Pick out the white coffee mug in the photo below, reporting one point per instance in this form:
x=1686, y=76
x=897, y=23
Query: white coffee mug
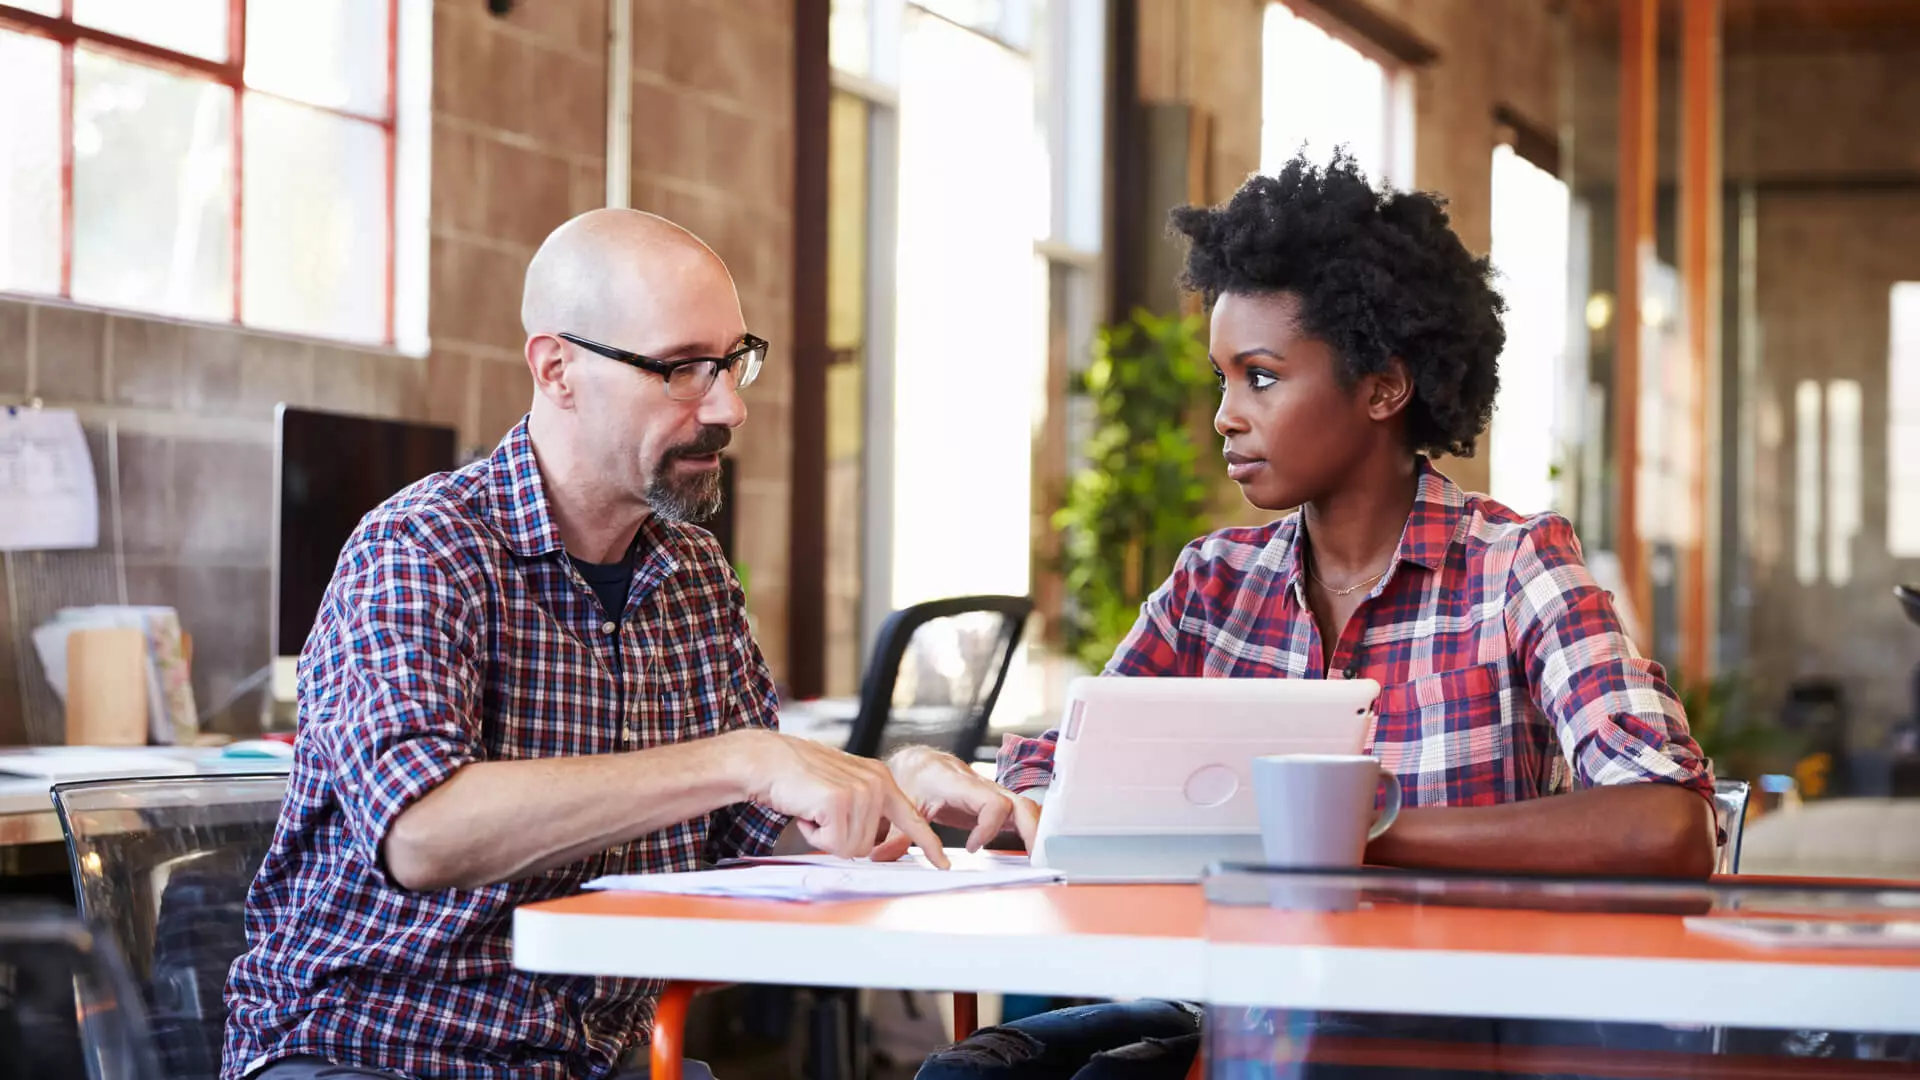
x=1316, y=810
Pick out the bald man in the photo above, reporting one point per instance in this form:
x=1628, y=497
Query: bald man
x=535, y=671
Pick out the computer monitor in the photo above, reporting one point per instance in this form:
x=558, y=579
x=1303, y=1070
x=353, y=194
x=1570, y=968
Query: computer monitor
x=330, y=469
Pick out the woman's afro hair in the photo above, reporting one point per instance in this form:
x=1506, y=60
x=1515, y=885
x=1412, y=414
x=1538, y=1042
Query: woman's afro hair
x=1379, y=274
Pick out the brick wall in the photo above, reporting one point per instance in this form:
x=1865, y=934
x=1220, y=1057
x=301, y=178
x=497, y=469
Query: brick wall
x=519, y=146
x=182, y=413
x=713, y=150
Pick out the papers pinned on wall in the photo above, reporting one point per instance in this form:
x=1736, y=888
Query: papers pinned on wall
x=48, y=498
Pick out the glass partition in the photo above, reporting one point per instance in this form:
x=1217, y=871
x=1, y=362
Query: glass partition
x=1396, y=973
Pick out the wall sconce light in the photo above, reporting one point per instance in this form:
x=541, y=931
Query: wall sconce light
x=1599, y=311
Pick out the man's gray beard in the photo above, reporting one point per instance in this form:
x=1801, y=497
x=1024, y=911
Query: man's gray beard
x=691, y=500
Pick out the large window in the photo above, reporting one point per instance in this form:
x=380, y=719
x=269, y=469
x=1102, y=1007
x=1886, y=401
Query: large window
x=213, y=159
x=970, y=351
x=965, y=228
x=1320, y=92
x=1528, y=442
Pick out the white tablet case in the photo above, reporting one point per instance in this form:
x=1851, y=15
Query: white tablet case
x=1153, y=778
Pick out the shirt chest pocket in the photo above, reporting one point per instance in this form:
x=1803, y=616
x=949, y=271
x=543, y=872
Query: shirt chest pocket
x=1443, y=735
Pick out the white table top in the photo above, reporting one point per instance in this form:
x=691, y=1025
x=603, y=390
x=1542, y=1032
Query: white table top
x=1163, y=941
x=26, y=807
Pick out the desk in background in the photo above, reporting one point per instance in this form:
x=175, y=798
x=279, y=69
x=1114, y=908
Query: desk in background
x=26, y=806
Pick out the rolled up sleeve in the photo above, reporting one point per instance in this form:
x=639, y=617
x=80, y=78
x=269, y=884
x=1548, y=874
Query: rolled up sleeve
x=1617, y=720
x=1155, y=646
x=389, y=688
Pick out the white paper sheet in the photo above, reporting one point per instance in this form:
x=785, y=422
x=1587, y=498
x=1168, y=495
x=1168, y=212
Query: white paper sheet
x=47, y=494
x=81, y=763
x=823, y=877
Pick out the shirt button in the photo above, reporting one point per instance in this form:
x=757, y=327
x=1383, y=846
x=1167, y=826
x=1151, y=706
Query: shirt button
x=630, y=733
x=608, y=628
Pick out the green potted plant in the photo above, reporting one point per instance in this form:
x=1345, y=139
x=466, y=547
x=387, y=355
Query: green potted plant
x=1721, y=719
x=1141, y=497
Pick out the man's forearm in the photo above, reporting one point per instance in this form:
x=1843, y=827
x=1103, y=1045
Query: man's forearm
x=497, y=821
x=1648, y=829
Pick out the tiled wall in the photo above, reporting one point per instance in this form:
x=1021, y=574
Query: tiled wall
x=713, y=150
x=1828, y=244
x=519, y=146
x=182, y=413
x=179, y=418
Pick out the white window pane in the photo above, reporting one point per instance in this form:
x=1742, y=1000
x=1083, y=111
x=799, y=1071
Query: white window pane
x=327, y=52
x=198, y=27
x=1083, y=85
x=850, y=36
x=30, y=164
x=152, y=189
x=950, y=389
x=1321, y=92
x=43, y=7
x=1903, y=422
x=314, y=222
x=1806, y=474
x=1903, y=492
x=1531, y=224
x=1903, y=357
x=1843, y=477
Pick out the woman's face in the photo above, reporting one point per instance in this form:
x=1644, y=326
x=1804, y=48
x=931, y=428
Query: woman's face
x=1293, y=432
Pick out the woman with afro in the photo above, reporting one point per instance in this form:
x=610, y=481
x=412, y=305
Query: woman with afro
x=1355, y=338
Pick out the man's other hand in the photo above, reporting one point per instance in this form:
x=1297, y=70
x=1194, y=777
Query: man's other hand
x=947, y=791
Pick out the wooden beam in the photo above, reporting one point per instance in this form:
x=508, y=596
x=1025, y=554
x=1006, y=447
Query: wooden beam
x=1639, y=96
x=807, y=542
x=1700, y=171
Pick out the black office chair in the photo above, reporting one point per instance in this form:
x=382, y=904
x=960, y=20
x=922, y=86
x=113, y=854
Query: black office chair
x=68, y=1009
x=162, y=866
x=936, y=671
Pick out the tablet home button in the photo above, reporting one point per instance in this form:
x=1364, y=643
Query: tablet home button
x=1212, y=785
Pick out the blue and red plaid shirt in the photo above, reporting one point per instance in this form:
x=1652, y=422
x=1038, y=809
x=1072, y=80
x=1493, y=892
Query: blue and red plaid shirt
x=456, y=630
x=1503, y=668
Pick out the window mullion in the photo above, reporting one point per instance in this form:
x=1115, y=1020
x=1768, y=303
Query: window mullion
x=66, y=166
x=237, y=56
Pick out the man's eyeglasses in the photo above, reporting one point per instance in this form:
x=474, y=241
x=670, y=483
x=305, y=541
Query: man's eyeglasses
x=690, y=379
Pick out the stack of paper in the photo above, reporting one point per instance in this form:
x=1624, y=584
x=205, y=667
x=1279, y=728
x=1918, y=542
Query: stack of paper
x=823, y=877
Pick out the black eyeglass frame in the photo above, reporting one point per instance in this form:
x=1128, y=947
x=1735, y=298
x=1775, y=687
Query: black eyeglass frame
x=749, y=344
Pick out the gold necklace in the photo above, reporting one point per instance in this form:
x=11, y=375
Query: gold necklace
x=1349, y=590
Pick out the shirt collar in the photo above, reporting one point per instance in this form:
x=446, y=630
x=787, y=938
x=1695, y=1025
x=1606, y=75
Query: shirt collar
x=1437, y=505
x=520, y=511
x=1424, y=540
x=523, y=516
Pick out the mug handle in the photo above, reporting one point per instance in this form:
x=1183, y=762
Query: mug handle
x=1388, y=812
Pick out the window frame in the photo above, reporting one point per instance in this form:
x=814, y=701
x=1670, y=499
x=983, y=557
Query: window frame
x=69, y=34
